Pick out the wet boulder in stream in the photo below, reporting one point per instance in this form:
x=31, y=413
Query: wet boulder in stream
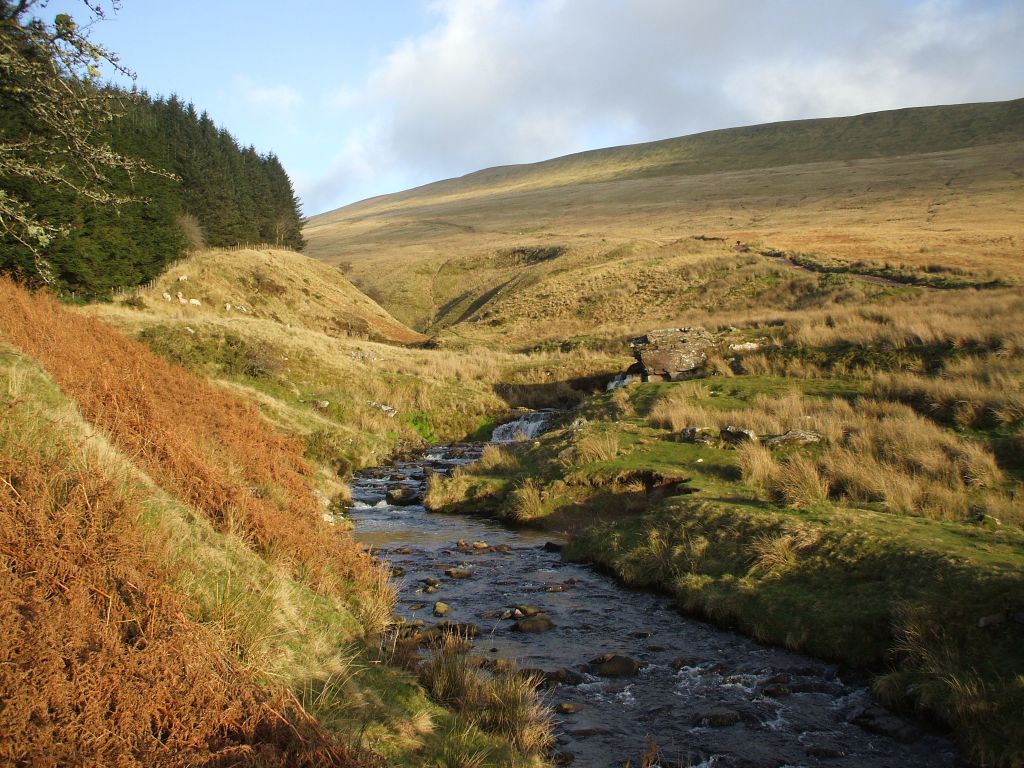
x=614, y=665
x=403, y=496
x=533, y=624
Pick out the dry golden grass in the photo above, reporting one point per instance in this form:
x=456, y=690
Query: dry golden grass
x=279, y=285
x=875, y=451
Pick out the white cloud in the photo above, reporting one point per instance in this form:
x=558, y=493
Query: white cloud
x=505, y=81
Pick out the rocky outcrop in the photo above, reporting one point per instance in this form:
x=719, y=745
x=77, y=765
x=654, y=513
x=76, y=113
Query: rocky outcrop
x=670, y=354
x=734, y=436
x=792, y=437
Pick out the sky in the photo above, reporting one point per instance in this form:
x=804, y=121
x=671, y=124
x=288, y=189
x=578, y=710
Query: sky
x=364, y=98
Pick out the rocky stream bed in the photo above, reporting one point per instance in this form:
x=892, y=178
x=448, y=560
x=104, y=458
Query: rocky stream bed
x=622, y=667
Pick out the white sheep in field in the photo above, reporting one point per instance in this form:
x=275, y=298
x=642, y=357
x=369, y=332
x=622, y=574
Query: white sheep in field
x=167, y=296
x=227, y=307
x=195, y=302
x=183, y=279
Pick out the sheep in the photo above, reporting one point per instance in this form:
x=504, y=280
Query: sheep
x=195, y=302
x=183, y=278
x=167, y=296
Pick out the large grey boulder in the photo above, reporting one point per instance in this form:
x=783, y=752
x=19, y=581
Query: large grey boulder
x=672, y=353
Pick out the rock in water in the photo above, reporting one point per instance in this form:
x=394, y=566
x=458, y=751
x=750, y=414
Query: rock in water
x=672, y=353
x=614, y=665
x=716, y=717
x=533, y=624
x=403, y=496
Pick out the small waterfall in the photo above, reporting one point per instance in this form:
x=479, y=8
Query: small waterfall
x=526, y=427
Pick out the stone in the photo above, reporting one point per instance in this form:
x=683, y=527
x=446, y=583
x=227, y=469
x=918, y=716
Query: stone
x=776, y=690
x=615, y=665
x=703, y=435
x=481, y=545
x=562, y=677
x=403, y=497
x=458, y=573
x=440, y=609
x=793, y=437
x=737, y=435
x=672, y=353
x=430, y=581
x=881, y=721
x=716, y=717
x=550, y=546
x=568, y=708
x=555, y=588
x=525, y=610
x=501, y=548
x=745, y=346
x=533, y=624
x=430, y=590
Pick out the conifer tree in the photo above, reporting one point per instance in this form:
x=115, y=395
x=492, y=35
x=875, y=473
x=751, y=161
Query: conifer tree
x=52, y=116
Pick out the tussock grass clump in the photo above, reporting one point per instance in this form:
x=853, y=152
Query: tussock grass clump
x=799, y=484
x=515, y=709
x=591, y=447
x=776, y=553
x=444, y=490
x=527, y=501
x=496, y=458
x=506, y=702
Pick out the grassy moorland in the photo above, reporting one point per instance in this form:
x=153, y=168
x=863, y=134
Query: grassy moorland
x=174, y=592
x=604, y=240
x=864, y=276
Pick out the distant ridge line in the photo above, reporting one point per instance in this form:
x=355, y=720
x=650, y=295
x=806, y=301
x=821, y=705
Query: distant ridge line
x=888, y=133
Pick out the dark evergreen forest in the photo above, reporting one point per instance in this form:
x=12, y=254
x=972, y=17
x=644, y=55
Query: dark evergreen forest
x=213, y=193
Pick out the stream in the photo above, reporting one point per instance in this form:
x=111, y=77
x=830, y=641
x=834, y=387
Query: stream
x=706, y=696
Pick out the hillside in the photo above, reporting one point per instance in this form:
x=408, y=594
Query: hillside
x=927, y=190
x=273, y=284
x=325, y=363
